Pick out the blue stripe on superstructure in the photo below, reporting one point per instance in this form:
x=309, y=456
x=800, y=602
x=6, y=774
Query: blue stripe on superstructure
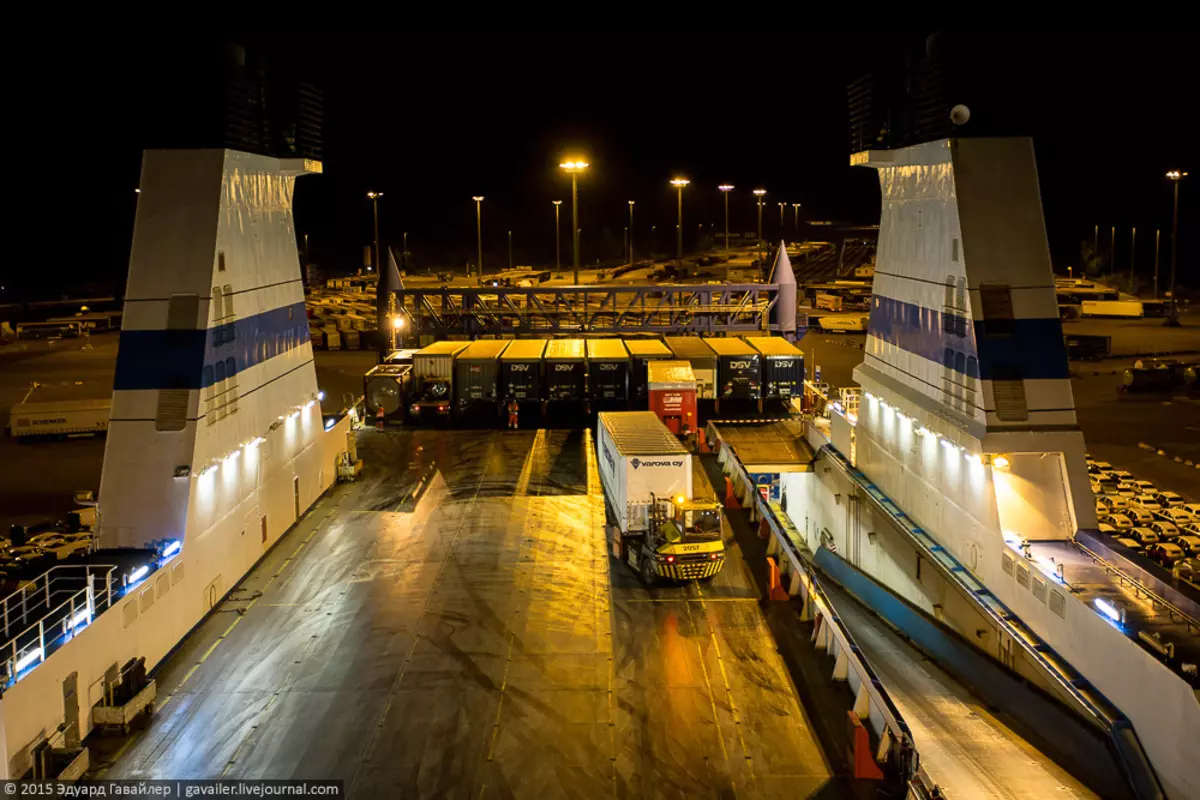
x=1033, y=350
x=197, y=359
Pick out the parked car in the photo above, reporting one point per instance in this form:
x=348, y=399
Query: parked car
x=1114, y=502
x=1118, y=521
x=1191, y=544
x=1165, y=553
x=1132, y=544
x=1190, y=528
x=1170, y=500
x=1099, y=468
x=62, y=548
x=1121, y=475
x=1143, y=535
x=1144, y=487
x=1146, y=501
x=1193, y=509
x=1139, y=515
x=1188, y=569
x=1176, y=516
x=1165, y=530
x=1106, y=529
x=1127, y=490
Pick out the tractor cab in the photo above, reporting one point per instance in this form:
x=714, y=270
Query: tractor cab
x=686, y=520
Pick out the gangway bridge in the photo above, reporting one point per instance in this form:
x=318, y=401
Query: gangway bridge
x=664, y=309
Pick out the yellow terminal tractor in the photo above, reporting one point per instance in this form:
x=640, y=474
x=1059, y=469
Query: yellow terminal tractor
x=655, y=523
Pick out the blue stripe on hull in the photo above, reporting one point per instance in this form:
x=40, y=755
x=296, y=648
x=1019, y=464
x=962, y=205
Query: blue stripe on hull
x=197, y=359
x=1033, y=350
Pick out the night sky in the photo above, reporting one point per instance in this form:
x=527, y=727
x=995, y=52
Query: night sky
x=432, y=119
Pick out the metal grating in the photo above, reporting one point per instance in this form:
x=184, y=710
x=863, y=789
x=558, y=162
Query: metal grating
x=1023, y=576
x=1006, y=562
x=1039, y=588
x=1058, y=603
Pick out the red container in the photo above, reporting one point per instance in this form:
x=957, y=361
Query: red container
x=671, y=388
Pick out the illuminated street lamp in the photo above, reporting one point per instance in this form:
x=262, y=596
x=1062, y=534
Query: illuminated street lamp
x=479, y=232
x=679, y=183
x=726, y=188
x=759, y=194
x=796, y=209
x=374, y=198
x=631, y=233
x=574, y=167
x=781, y=207
x=397, y=329
x=1174, y=176
x=557, y=238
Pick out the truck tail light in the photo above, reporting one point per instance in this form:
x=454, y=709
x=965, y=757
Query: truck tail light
x=670, y=559
x=713, y=556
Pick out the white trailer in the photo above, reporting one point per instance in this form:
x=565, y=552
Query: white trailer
x=61, y=418
x=655, y=524
x=1112, y=308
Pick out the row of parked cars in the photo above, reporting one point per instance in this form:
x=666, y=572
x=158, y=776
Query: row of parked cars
x=1162, y=525
x=41, y=545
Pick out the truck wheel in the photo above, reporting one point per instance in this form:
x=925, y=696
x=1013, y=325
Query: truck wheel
x=648, y=576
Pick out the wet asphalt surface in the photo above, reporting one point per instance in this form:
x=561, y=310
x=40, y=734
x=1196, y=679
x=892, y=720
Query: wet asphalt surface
x=477, y=640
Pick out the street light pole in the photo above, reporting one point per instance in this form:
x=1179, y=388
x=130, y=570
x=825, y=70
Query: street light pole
x=631, y=233
x=510, y=251
x=759, y=194
x=557, y=238
x=374, y=196
x=796, y=211
x=1112, y=267
x=726, y=188
x=679, y=183
x=1176, y=176
x=1132, y=256
x=1157, y=237
x=781, y=205
x=575, y=166
x=479, y=233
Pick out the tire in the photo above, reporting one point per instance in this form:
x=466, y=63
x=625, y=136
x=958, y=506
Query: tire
x=647, y=571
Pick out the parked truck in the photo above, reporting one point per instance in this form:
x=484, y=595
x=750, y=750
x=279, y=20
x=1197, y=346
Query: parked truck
x=641, y=353
x=739, y=369
x=521, y=370
x=655, y=523
x=60, y=418
x=433, y=381
x=696, y=352
x=477, y=377
x=566, y=371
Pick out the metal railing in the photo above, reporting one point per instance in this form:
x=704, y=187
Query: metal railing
x=45, y=613
x=895, y=739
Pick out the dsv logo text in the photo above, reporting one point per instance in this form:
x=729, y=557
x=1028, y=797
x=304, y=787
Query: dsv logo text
x=637, y=462
x=606, y=367
x=519, y=367
x=741, y=364
x=563, y=367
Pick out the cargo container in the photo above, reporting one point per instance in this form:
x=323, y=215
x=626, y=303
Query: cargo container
x=566, y=371
x=653, y=521
x=433, y=380
x=782, y=366
x=60, y=418
x=477, y=377
x=387, y=386
x=1088, y=347
x=608, y=371
x=696, y=352
x=641, y=353
x=843, y=323
x=671, y=387
x=1112, y=308
x=739, y=369
x=521, y=370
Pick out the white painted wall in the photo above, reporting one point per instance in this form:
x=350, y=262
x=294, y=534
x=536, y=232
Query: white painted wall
x=221, y=553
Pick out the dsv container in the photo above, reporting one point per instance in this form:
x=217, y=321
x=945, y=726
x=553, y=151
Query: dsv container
x=566, y=371
x=521, y=370
x=782, y=366
x=739, y=372
x=477, y=376
x=608, y=371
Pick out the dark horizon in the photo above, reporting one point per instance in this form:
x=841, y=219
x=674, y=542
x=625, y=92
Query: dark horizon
x=445, y=117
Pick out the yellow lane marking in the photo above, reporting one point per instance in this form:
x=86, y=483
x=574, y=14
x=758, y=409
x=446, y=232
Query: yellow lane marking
x=522, y=488
x=232, y=625
x=208, y=652
x=737, y=723
x=500, y=703
x=712, y=698
x=186, y=677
